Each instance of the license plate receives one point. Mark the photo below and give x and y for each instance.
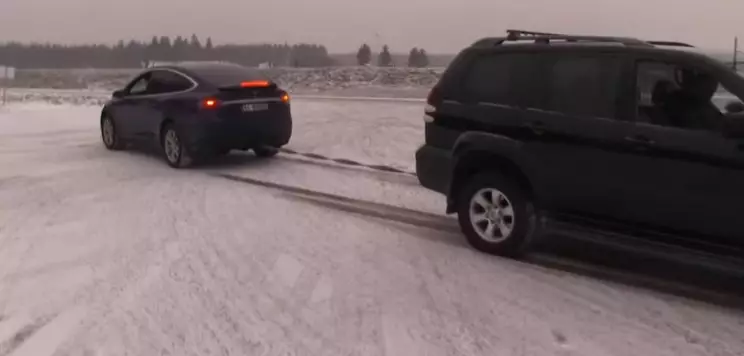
(254, 107)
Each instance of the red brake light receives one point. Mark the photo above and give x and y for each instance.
(210, 103)
(255, 84)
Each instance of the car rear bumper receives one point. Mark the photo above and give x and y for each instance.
(235, 131)
(434, 168)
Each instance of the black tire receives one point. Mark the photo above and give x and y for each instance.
(114, 142)
(523, 222)
(180, 157)
(265, 151)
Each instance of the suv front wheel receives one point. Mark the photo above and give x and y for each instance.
(496, 215)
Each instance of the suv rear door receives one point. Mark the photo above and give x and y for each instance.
(577, 126)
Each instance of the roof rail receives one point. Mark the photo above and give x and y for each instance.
(546, 38)
(670, 43)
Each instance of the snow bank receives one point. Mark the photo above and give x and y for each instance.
(414, 80)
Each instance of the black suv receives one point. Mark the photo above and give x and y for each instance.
(600, 137)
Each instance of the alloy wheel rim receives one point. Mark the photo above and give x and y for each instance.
(108, 132)
(492, 215)
(172, 146)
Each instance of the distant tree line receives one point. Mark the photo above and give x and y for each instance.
(163, 48)
(416, 58)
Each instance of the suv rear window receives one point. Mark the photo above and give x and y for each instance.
(584, 86)
(492, 78)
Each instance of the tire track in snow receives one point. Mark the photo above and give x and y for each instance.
(377, 210)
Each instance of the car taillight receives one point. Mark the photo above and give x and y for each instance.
(255, 84)
(284, 96)
(210, 103)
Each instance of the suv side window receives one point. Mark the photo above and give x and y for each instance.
(675, 95)
(585, 85)
(494, 78)
(165, 81)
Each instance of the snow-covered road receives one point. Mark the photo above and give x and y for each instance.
(114, 253)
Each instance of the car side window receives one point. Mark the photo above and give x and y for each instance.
(585, 85)
(165, 81)
(140, 86)
(491, 78)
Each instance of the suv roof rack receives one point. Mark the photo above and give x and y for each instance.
(670, 43)
(546, 38)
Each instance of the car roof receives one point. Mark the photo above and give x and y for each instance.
(196, 67)
(209, 71)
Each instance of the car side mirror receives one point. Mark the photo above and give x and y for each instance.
(734, 107)
(120, 94)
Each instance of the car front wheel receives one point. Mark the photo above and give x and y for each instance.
(496, 215)
(110, 135)
(175, 152)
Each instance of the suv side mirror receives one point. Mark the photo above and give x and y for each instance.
(120, 94)
(734, 107)
(734, 126)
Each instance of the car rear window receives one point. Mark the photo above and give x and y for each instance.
(225, 76)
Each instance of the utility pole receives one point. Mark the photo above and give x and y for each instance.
(4, 79)
(736, 50)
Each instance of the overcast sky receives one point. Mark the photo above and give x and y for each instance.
(342, 25)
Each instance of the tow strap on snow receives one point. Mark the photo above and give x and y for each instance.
(347, 162)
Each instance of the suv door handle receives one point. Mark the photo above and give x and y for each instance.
(640, 139)
(535, 125)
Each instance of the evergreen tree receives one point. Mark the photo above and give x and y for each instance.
(423, 59)
(133, 54)
(413, 57)
(385, 59)
(195, 44)
(418, 58)
(364, 55)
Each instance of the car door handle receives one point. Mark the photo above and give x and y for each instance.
(640, 140)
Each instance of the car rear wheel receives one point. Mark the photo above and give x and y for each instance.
(109, 135)
(176, 153)
(265, 151)
(496, 215)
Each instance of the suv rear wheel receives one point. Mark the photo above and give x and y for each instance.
(496, 215)
(265, 151)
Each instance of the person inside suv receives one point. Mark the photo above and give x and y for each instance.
(690, 106)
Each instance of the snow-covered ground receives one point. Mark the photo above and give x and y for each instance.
(114, 253)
